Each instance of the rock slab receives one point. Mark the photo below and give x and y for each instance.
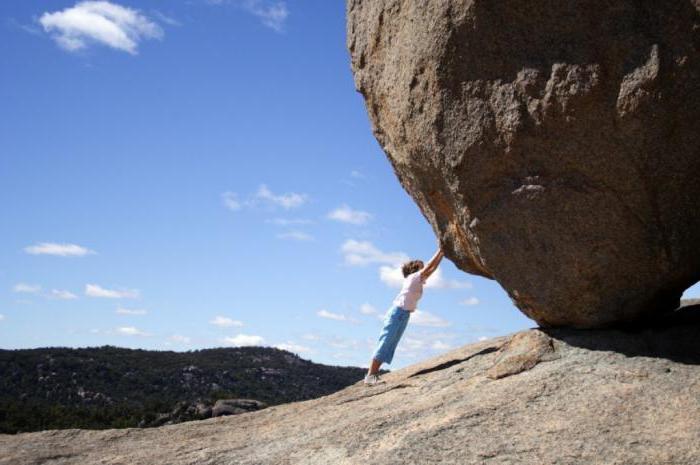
(554, 146)
(539, 397)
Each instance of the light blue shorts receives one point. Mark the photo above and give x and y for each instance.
(395, 323)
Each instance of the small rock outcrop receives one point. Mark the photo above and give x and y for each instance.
(235, 406)
(538, 397)
(554, 146)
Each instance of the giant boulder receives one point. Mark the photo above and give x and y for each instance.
(553, 145)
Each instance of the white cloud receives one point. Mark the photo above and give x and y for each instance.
(345, 214)
(287, 201)
(295, 236)
(423, 318)
(295, 348)
(482, 338)
(439, 345)
(231, 201)
(243, 340)
(310, 337)
(334, 316)
(169, 20)
(288, 221)
(25, 288)
(470, 301)
(62, 295)
(344, 343)
(130, 311)
(94, 290)
(367, 309)
(357, 174)
(438, 281)
(225, 322)
(59, 250)
(413, 344)
(180, 339)
(2, 317)
(131, 331)
(99, 22)
(392, 276)
(360, 253)
(272, 14)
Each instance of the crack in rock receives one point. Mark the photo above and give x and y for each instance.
(451, 363)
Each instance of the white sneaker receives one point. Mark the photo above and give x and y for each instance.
(371, 380)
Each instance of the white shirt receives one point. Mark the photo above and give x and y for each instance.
(411, 291)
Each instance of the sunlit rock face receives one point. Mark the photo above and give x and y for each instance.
(554, 146)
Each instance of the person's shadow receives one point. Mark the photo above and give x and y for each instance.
(676, 337)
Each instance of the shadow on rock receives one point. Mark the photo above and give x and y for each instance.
(675, 337)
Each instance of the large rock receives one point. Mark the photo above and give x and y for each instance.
(539, 397)
(553, 145)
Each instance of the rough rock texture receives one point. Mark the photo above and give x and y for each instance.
(553, 145)
(540, 397)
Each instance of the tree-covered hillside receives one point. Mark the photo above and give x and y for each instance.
(111, 387)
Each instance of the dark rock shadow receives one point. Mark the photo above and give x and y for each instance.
(675, 336)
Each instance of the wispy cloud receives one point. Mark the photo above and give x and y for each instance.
(225, 322)
(178, 338)
(2, 317)
(420, 343)
(264, 195)
(423, 318)
(169, 20)
(295, 348)
(471, 301)
(28, 28)
(131, 331)
(334, 316)
(130, 311)
(61, 294)
(272, 14)
(231, 201)
(295, 236)
(288, 221)
(287, 201)
(94, 290)
(367, 309)
(99, 22)
(439, 345)
(59, 250)
(345, 214)
(360, 253)
(24, 288)
(241, 340)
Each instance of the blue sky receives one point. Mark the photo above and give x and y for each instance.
(184, 174)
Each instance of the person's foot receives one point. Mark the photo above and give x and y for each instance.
(371, 380)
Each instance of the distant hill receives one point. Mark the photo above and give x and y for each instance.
(111, 387)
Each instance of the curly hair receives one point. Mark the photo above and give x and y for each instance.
(411, 267)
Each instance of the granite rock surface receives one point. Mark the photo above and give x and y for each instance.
(538, 397)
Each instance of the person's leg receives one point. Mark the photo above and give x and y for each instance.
(399, 327)
(394, 326)
(374, 367)
(385, 341)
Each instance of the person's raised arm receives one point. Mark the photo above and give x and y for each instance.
(432, 264)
